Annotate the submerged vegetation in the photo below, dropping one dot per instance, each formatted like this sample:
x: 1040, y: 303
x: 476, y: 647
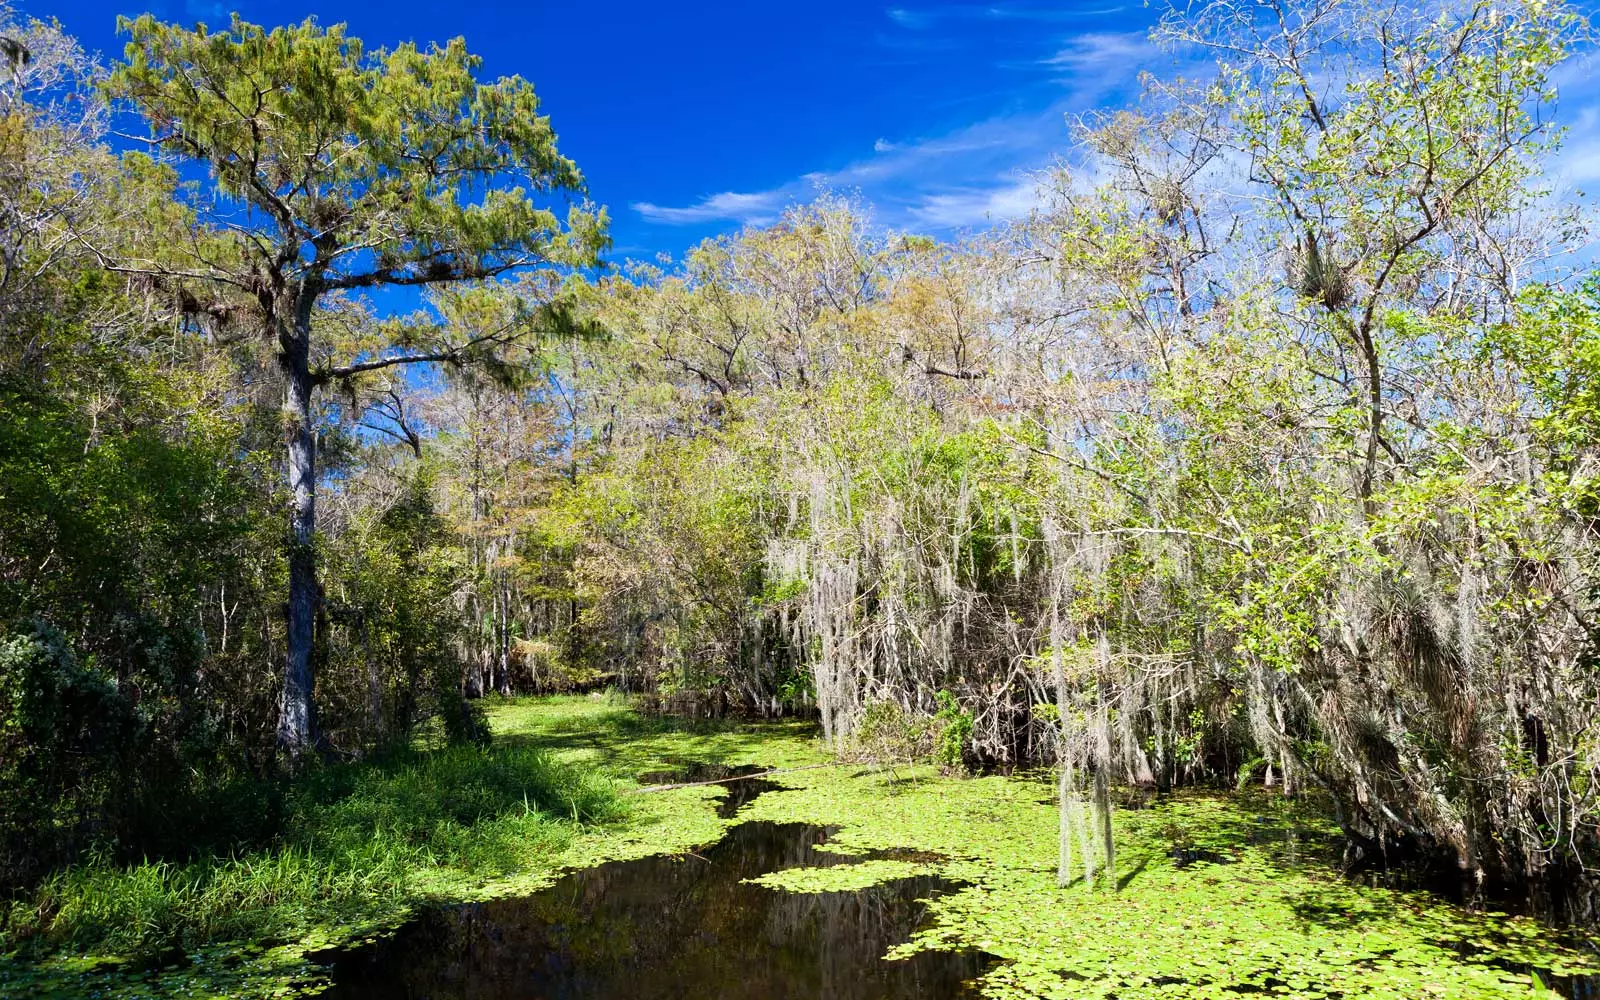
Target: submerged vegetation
x: 1256, y: 470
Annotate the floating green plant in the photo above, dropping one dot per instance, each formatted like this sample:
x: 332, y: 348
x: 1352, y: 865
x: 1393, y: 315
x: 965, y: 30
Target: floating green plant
x: 1213, y: 895
x: 841, y: 878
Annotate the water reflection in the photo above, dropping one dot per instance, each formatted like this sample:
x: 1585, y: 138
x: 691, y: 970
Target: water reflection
x: 742, y: 788
x: 665, y: 928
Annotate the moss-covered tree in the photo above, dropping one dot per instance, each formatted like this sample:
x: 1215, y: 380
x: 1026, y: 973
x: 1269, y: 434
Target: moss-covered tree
x: 337, y: 170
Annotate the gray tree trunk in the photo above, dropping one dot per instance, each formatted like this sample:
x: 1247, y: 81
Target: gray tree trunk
x: 297, y: 729
x: 503, y: 678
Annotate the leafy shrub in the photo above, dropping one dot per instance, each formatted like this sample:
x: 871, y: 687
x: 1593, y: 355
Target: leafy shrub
x: 547, y: 670
x: 62, y: 729
x: 954, y: 729
x: 890, y: 734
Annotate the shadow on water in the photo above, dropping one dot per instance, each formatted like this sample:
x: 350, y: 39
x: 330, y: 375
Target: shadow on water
x: 663, y: 928
x: 740, y: 791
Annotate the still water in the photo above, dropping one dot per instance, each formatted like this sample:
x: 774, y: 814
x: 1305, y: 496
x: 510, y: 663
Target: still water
x: 668, y: 928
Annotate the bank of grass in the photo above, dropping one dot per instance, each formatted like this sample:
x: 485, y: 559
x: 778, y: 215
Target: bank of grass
x: 610, y: 738
x: 356, y: 847
x: 354, y: 840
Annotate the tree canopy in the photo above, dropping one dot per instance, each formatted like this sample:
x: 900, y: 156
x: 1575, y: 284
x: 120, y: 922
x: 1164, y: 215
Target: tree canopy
x: 351, y: 169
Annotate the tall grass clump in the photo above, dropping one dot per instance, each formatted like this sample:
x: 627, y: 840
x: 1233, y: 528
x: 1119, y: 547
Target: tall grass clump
x: 357, y: 843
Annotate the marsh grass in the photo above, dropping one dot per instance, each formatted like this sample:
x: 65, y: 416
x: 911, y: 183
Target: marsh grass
x: 356, y: 845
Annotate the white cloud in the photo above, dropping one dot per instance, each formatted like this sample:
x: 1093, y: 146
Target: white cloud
x: 973, y: 175
x: 1578, y: 162
x: 900, y: 179
x: 983, y: 147
x: 752, y: 207
x: 908, y: 18
x: 1049, y: 14
x: 1094, y: 51
x: 977, y: 205
x: 969, y: 175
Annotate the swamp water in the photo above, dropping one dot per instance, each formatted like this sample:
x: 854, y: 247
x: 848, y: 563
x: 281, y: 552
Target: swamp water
x: 670, y: 927
x: 739, y: 781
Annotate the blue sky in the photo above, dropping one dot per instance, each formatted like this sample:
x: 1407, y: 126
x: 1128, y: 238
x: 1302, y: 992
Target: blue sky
x: 690, y: 119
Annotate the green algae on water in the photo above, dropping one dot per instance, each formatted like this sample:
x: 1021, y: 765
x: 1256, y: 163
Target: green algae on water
x: 1265, y: 912
x: 841, y: 878
x: 1213, y: 896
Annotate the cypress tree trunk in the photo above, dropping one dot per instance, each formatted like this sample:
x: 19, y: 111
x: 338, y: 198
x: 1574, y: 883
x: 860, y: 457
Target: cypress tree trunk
x: 296, y: 716
x: 503, y: 681
x: 1066, y: 781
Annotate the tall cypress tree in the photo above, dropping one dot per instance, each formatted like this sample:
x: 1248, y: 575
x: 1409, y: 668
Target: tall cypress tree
x: 338, y: 170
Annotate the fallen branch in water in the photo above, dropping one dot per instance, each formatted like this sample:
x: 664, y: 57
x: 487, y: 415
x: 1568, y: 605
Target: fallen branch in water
x: 741, y: 777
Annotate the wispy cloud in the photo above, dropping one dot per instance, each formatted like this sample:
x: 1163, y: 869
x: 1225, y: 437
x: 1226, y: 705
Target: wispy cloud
x: 909, y: 18
x: 729, y: 206
x: 1578, y: 162
x: 976, y: 206
x: 972, y: 174
x: 920, y: 19
x: 1097, y: 50
x: 989, y: 170
x: 957, y: 179
x: 1056, y: 16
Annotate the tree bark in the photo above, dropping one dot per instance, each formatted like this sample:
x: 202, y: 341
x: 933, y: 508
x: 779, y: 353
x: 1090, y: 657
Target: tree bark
x: 297, y: 729
x: 1065, y: 780
x: 503, y: 678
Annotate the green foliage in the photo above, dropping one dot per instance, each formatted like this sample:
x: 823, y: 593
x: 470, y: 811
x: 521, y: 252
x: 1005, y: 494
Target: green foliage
x: 1364, y: 172
x: 648, y: 605
x: 1302, y: 475
x: 1189, y: 745
x: 954, y: 727
x: 394, y: 576
x: 341, y: 148
x: 840, y: 878
x: 1270, y: 910
x: 1554, y: 344
x: 359, y: 171
x: 888, y: 734
x: 118, y: 521
x: 65, y: 732
x: 352, y: 843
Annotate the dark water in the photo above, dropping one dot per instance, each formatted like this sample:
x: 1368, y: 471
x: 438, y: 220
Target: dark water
x: 667, y: 928
x: 740, y: 791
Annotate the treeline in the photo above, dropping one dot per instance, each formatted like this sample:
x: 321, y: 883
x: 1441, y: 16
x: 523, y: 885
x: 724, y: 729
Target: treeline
x: 183, y: 358
x: 1264, y: 450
